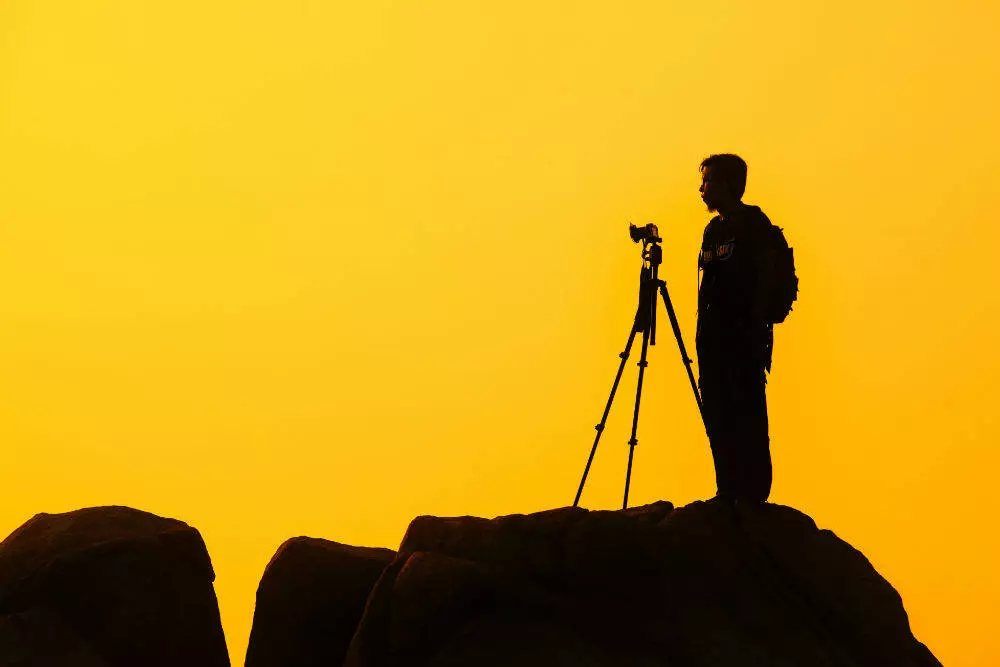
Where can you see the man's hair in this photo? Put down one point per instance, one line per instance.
(731, 169)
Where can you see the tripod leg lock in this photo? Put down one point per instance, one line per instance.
(633, 442)
(599, 428)
(642, 364)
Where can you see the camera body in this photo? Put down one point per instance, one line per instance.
(647, 234)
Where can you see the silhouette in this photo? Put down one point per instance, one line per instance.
(651, 585)
(645, 323)
(310, 600)
(747, 284)
(108, 587)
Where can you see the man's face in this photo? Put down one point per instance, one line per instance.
(713, 190)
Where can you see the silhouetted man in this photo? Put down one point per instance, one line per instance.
(733, 338)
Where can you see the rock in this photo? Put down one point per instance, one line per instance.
(36, 638)
(310, 601)
(131, 587)
(701, 585)
(795, 589)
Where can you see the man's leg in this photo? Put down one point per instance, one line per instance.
(753, 445)
(735, 407)
(717, 405)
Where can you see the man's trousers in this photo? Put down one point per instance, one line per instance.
(735, 408)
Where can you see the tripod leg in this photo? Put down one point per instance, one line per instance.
(635, 415)
(607, 410)
(680, 345)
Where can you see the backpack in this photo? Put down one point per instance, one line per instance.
(783, 284)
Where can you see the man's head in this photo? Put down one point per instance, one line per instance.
(723, 181)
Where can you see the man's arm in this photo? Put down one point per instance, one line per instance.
(702, 261)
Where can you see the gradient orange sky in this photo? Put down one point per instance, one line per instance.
(299, 267)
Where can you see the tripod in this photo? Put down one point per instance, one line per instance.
(645, 322)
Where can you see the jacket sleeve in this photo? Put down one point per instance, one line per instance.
(701, 266)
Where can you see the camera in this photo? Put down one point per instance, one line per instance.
(646, 234)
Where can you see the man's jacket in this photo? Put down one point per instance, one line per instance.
(733, 290)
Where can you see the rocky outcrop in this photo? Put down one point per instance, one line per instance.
(36, 638)
(108, 586)
(705, 585)
(701, 585)
(310, 601)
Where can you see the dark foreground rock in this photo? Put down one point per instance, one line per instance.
(697, 586)
(310, 601)
(38, 639)
(108, 587)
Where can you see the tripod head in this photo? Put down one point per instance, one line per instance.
(652, 252)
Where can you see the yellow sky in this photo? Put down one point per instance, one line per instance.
(282, 268)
